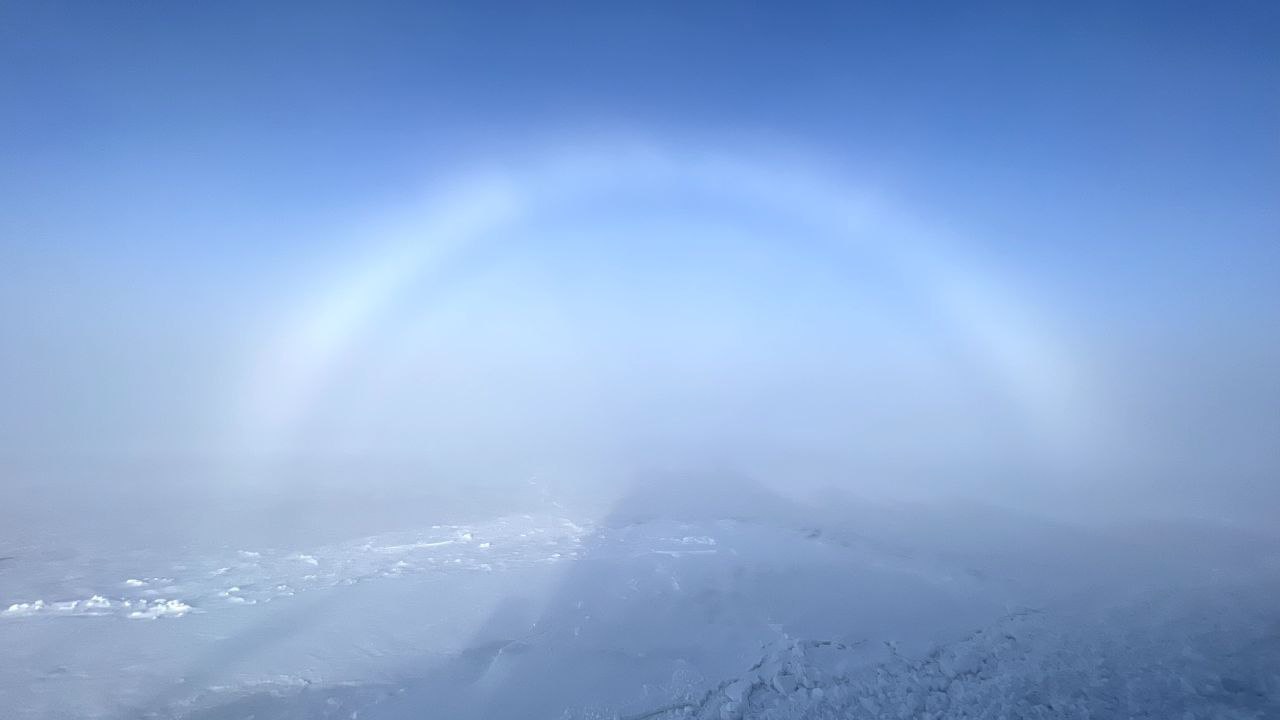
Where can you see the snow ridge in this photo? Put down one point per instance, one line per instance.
(1025, 667)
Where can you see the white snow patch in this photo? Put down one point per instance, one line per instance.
(159, 609)
(26, 608)
(413, 546)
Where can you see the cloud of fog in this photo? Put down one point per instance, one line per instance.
(628, 306)
(594, 313)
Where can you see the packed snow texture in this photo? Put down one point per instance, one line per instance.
(1027, 666)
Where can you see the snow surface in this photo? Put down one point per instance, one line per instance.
(1026, 666)
(726, 602)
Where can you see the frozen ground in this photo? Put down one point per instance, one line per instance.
(724, 602)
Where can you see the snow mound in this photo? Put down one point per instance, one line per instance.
(94, 605)
(159, 609)
(24, 608)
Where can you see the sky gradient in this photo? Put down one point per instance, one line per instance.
(822, 240)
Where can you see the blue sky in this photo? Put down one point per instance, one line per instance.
(1097, 137)
(1018, 111)
(174, 173)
